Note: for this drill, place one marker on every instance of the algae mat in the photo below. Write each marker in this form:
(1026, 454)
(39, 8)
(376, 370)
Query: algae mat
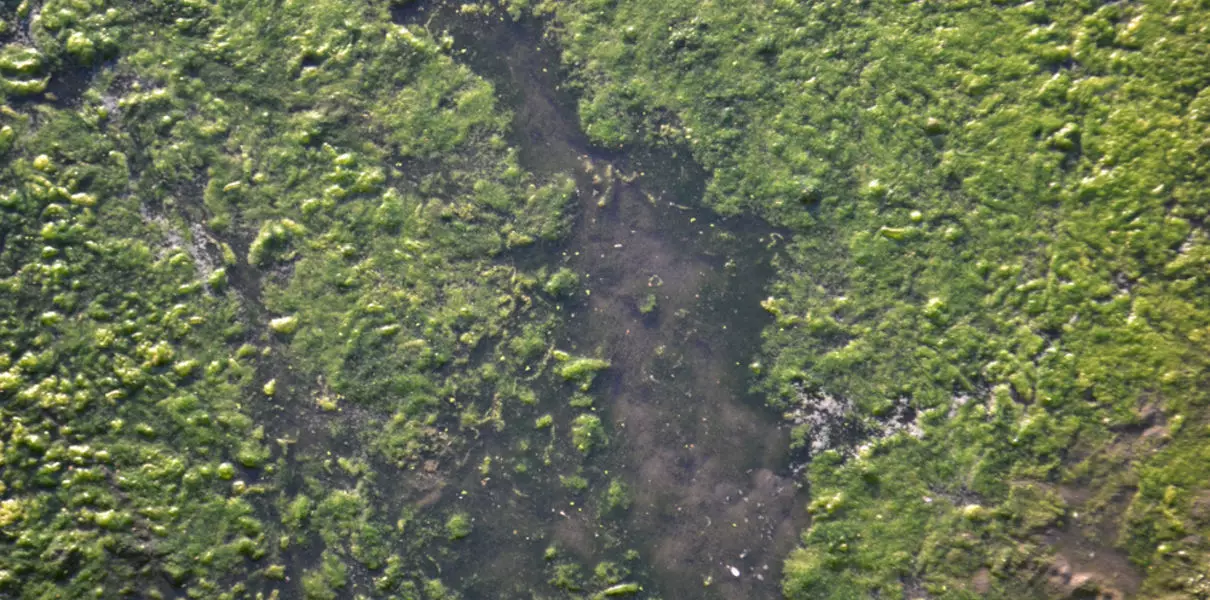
(603, 299)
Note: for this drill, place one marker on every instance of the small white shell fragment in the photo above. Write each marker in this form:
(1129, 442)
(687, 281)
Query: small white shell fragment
(734, 571)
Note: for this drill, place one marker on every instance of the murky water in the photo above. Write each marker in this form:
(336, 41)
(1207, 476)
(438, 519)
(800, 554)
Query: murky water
(715, 510)
(703, 457)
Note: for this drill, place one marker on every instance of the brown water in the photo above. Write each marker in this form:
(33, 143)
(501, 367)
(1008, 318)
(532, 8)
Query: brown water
(715, 509)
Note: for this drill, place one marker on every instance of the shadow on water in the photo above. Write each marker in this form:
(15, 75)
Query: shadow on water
(715, 508)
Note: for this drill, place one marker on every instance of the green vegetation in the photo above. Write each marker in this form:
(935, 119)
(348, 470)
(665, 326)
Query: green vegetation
(562, 283)
(617, 496)
(458, 526)
(606, 577)
(222, 223)
(581, 370)
(648, 304)
(567, 577)
(587, 433)
(996, 267)
(621, 589)
(575, 483)
(268, 288)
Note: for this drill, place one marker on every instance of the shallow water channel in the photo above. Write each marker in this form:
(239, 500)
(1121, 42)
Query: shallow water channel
(715, 509)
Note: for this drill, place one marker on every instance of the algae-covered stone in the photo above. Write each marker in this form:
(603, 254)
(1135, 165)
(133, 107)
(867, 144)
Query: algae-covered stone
(11, 510)
(648, 304)
(274, 242)
(81, 46)
(617, 496)
(575, 483)
(18, 59)
(622, 589)
(458, 526)
(24, 87)
(284, 325)
(562, 283)
(580, 369)
(587, 433)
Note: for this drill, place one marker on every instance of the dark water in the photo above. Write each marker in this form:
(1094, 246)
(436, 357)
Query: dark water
(705, 460)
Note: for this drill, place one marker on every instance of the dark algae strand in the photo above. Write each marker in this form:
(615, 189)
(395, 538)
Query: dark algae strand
(438, 299)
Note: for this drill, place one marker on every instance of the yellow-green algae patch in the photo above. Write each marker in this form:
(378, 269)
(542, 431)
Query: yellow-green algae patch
(223, 224)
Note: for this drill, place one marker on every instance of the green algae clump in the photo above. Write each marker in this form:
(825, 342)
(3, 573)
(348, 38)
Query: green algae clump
(582, 370)
(587, 433)
(458, 526)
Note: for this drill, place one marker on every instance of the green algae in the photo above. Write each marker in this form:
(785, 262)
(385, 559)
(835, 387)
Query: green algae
(561, 283)
(587, 433)
(988, 229)
(574, 483)
(617, 497)
(194, 246)
(648, 304)
(621, 589)
(577, 369)
(995, 266)
(458, 526)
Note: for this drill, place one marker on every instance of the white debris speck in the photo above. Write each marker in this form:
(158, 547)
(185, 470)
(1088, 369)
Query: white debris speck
(734, 571)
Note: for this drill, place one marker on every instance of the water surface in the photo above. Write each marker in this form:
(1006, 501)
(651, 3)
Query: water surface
(715, 508)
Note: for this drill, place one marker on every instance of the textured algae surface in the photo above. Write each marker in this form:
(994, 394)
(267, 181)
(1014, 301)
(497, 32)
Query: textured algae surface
(991, 317)
(253, 278)
(283, 307)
